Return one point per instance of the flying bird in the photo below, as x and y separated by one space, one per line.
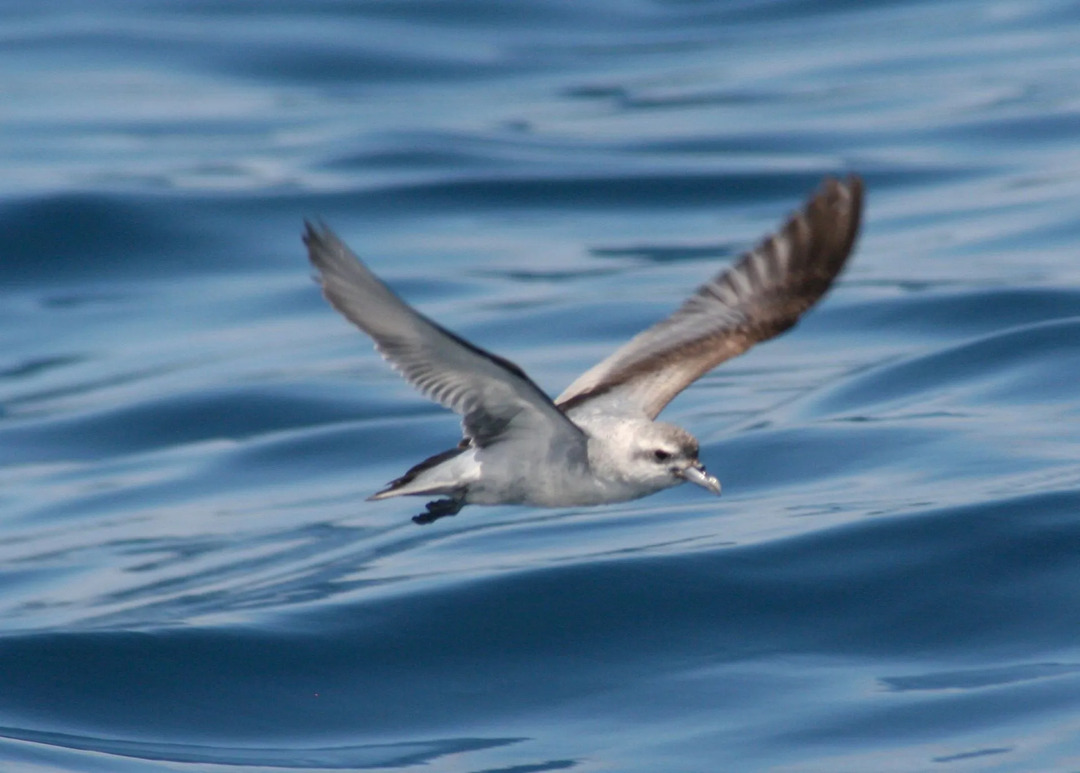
599 441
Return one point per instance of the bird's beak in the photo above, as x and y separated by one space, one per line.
696 474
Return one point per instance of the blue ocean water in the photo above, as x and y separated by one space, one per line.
190 576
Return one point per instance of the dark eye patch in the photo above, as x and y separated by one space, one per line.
660 455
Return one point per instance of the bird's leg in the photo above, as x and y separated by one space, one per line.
438 509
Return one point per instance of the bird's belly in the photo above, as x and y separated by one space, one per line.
533 487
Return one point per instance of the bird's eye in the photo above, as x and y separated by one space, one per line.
661 455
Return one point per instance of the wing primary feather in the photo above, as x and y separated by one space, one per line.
491 393
763 294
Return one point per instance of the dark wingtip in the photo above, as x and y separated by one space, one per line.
322 246
312 238
832 188
834 213
313 232
855 189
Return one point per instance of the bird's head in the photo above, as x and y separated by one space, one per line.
665 455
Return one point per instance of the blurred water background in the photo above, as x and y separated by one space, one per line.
190 578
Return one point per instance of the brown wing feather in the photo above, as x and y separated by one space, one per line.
760 296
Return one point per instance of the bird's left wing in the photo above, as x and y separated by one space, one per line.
494 396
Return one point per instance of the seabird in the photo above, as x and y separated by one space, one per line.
598 441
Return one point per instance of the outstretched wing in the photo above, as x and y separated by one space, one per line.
494 396
760 296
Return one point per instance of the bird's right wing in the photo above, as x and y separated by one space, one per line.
762 295
494 396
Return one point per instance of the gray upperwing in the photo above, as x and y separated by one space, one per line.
494 397
760 296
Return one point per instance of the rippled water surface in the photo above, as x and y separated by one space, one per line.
191 576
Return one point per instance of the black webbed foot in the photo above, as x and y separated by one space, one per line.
439 509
